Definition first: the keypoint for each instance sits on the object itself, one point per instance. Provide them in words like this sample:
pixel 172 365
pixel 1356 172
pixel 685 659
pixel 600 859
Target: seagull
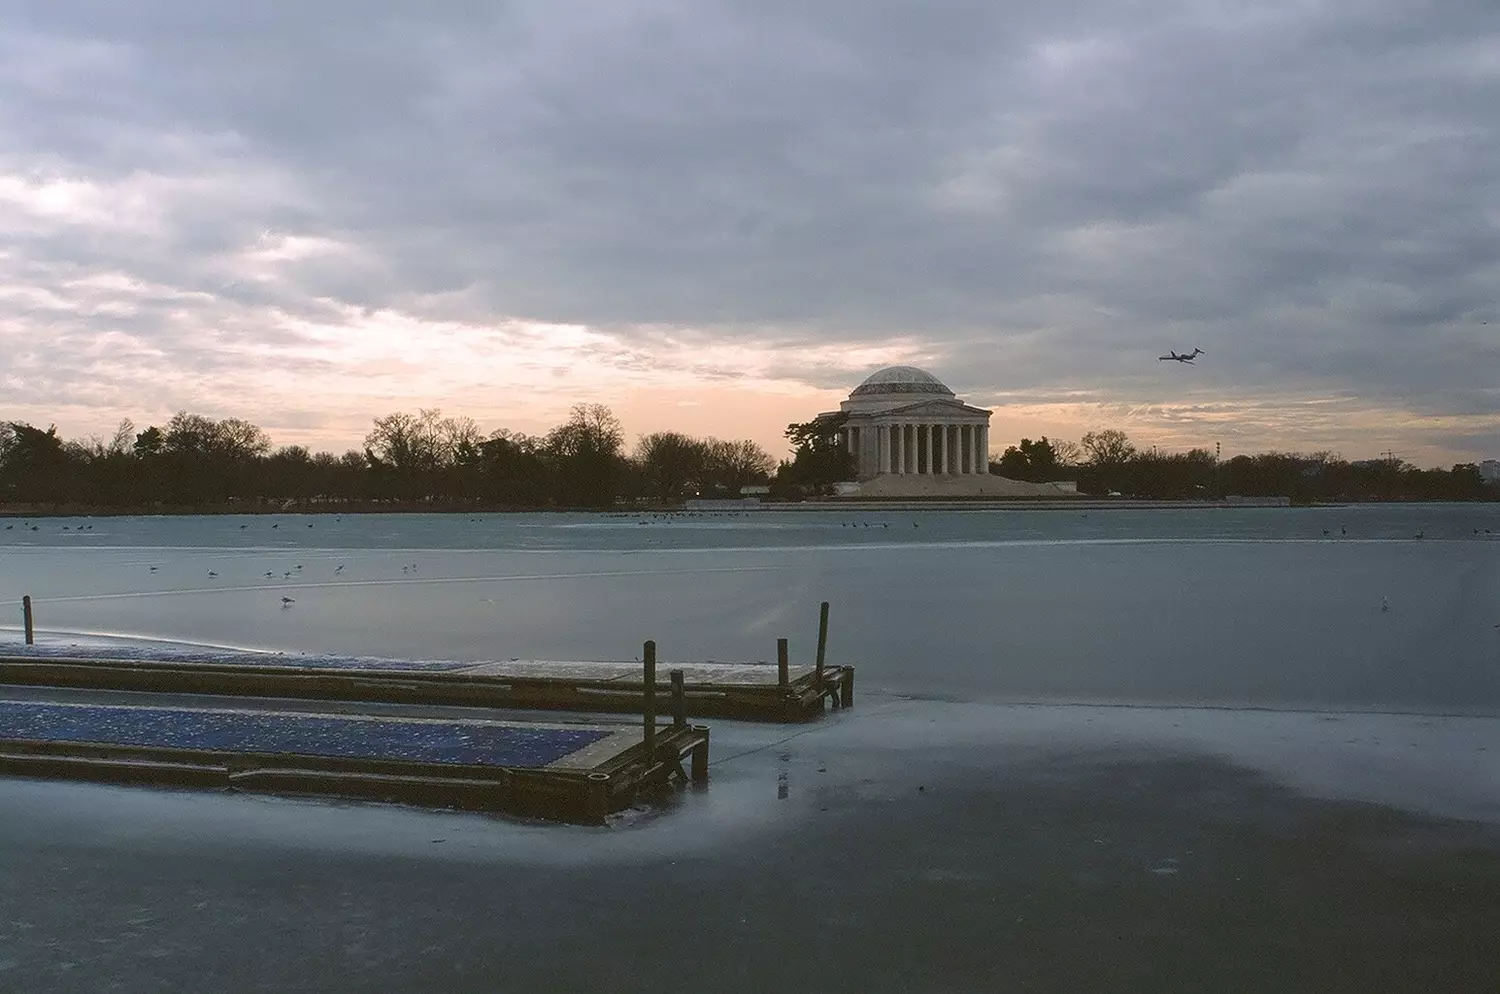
pixel 212 573
pixel 338 569
pixel 268 573
pixel 153 569
pixel 287 601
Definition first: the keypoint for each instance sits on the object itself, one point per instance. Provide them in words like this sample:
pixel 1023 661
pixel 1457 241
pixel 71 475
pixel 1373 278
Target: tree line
pixel 1106 462
pixel 424 459
pixel 408 459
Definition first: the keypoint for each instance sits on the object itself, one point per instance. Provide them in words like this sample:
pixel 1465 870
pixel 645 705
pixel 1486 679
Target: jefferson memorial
pixel 911 437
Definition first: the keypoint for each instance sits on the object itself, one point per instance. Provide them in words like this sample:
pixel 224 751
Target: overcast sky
pixel 719 217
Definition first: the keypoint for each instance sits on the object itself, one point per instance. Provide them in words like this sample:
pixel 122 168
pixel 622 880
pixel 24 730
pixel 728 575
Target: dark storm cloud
pixel 1038 197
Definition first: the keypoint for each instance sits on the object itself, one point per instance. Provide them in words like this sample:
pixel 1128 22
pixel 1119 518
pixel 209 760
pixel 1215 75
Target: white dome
pixel 901 380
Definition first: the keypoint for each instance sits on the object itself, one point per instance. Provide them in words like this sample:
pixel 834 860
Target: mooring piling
pixel 822 645
pixel 649 718
pixel 700 756
pixel 26 619
pixel 679 700
pixel 783 671
pixel 596 797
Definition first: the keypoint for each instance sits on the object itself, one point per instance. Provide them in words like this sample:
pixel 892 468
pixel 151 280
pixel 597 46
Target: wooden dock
pixel 744 690
pixel 752 691
pixel 562 771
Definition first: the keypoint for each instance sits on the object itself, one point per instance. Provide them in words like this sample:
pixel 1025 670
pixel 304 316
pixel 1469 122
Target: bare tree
pixel 233 439
pixel 586 452
pixel 735 465
pixel 459 435
pixel 409 443
pixel 1068 453
pixel 671 461
pixel 123 440
pixel 515 440
pixel 592 430
pixel 1108 447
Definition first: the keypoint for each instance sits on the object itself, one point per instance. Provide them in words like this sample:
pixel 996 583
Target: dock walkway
pixel 564 771
pixel 754 691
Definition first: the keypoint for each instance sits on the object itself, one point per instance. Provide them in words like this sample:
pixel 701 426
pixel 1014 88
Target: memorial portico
pixel 911 438
pixel 902 421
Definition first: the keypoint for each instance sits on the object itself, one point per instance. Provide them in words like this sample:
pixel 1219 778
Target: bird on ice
pixel 287 601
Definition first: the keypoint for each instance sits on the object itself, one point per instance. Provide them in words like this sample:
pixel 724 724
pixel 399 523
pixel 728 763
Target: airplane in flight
pixel 1184 357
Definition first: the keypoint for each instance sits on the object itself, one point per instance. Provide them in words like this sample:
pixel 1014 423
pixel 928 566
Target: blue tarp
pixel 222 730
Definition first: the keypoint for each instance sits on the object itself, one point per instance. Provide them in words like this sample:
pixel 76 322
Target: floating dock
pixel 753 691
pixel 560 771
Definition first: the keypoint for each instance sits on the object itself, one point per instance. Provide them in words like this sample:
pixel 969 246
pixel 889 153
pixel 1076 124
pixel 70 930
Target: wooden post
pixel 650 701
pixel 782 676
pixel 679 700
pixel 846 687
pixel 26 619
pixel 700 756
pixel 822 646
pixel 596 798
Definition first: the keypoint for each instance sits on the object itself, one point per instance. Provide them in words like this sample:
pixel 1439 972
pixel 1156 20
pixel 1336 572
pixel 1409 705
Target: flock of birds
pixel 296 572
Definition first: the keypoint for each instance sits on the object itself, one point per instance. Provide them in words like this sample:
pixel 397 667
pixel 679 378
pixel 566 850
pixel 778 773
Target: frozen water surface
pixel 1248 607
pixel 943 835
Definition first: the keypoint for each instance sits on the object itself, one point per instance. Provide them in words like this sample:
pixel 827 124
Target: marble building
pixel 910 436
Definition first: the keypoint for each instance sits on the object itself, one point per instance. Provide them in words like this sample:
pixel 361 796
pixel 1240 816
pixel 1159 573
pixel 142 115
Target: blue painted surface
pixel 456 742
